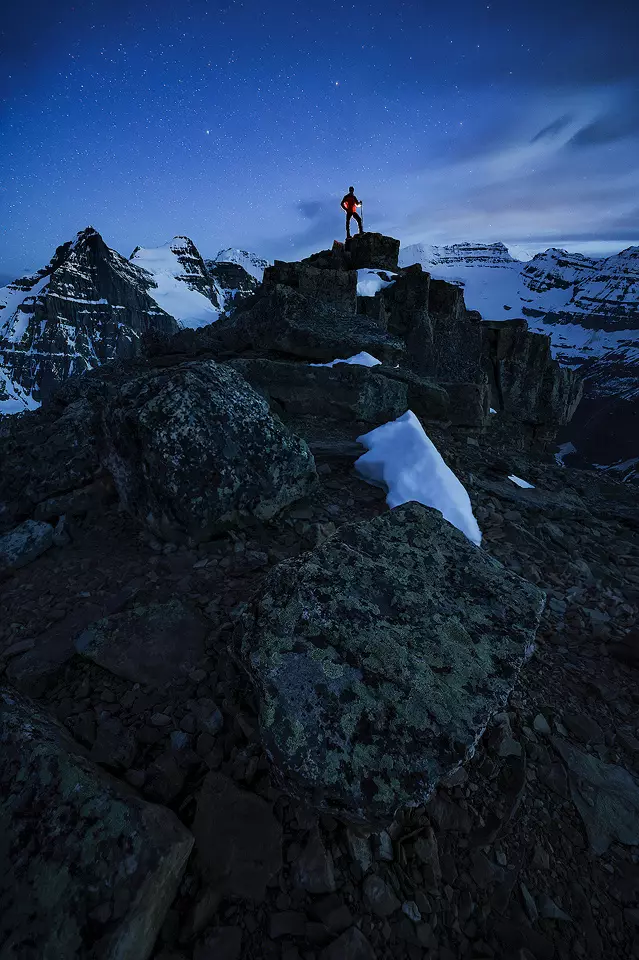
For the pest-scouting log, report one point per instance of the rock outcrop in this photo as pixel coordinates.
(526, 384)
(588, 306)
(379, 659)
(366, 250)
(343, 392)
(195, 450)
(336, 287)
(86, 864)
(285, 323)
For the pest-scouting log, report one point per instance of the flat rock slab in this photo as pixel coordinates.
(379, 658)
(606, 796)
(556, 505)
(194, 451)
(151, 644)
(23, 544)
(343, 392)
(33, 671)
(87, 868)
(238, 840)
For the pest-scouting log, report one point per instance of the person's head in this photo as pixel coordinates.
(351, 189)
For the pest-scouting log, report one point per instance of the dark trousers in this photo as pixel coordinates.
(356, 217)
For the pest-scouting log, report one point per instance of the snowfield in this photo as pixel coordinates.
(172, 293)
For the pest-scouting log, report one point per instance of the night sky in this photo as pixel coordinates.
(243, 123)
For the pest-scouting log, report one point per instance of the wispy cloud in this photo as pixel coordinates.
(529, 185)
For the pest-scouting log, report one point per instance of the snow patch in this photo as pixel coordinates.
(362, 359)
(405, 462)
(13, 398)
(564, 450)
(521, 483)
(370, 282)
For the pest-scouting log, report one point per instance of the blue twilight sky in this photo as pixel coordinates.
(242, 123)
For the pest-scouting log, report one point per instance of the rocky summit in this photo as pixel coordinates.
(249, 711)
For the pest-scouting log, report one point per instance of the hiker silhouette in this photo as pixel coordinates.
(350, 203)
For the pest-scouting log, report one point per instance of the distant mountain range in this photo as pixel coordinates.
(90, 304)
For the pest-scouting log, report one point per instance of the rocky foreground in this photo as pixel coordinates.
(248, 711)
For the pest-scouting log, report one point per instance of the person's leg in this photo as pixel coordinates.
(358, 220)
(349, 214)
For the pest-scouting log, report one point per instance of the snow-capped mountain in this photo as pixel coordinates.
(590, 309)
(90, 304)
(251, 262)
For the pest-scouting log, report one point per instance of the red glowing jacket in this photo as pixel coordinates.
(350, 202)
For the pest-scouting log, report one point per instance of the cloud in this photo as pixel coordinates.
(606, 130)
(553, 128)
(311, 209)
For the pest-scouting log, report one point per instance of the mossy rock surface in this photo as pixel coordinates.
(379, 658)
(87, 868)
(194, 450)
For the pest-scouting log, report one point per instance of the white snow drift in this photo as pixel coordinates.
(362, 359)
(404, 461)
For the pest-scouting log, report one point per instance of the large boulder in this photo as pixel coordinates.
(379, 658)
(283, 322)
(87, 868)
(344, 392)
(194, 450)
(338, 287)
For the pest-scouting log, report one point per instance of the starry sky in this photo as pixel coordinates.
(243, 123)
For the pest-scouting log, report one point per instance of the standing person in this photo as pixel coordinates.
(350, 203)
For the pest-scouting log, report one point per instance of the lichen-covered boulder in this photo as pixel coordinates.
(347, 391)
(379, 658)
(87, 868)
(194, 450)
